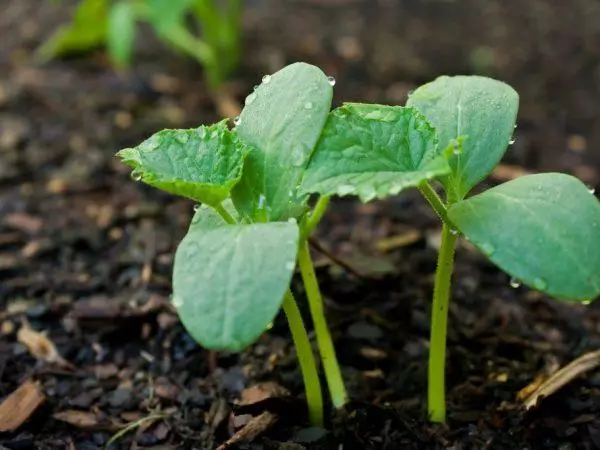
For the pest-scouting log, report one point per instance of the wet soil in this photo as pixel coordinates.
(86, 253)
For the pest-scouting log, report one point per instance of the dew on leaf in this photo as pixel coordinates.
(591, 190)
(540, 284)
(255, 87)
(261, 201)
(587, 301)
(250, 99)
(196, 207)
(331, 80)
(512, 140)
(237, 120)
(266, 79)
(515, 283)
(136, 176)
(488, 248)
(292, 220)
(453, 231)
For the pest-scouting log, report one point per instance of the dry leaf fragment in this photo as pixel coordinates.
(20, 405)
(40, 346)
(564, 376)
(401, 240)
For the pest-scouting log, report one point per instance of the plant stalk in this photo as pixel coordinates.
(315, 216)
(333, 374)
(434, 200)
(439, 325)
(224, 214)
(306, 358)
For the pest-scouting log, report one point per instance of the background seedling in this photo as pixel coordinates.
(543, 230)
(201, 29)
(233, 268)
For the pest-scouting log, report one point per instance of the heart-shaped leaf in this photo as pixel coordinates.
(229, 281)
(478, 108)
(203, 164)
(542, 229)
(373, 151)
(282, 121)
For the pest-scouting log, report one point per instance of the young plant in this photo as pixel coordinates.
(543, 230)
(113, 23)
(233, 269)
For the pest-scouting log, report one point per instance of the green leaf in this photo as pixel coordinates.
(165, 14)
(542, 229)
(229, 282)
(205, 217)
(373, 151)
(282, 121)
(483, 110)
(203, 164)
(87, 31)
(121, 32)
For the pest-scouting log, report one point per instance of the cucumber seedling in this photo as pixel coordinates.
(233, 269)
(543, 230)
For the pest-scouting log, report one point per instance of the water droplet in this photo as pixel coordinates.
(345, 189)
(308, 105)
(591, 190)
(182, 138)
(255, 87)
(269, 326)
(512, 140)
(261, 201)
(290, 265)
(453, 231)
(177, 302)
(540, 284)
(136, 176)
(457, 149)
(237, 120)
(299, 156)
(250, 99)
(196, 207)
(587, 301)
(515, 283)
(515, 126)
(488, 248)
(292, 220)
(266, 79)
(331, 80)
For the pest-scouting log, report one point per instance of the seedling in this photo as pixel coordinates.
(543, 230)
(233, 269)
(113, 23)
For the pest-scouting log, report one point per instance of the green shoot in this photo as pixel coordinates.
(233, 269)
(543, 230)
(113, 23)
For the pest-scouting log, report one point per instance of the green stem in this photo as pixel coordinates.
(306, 358)
(434, 200)
(308, 367)
(333, 373)
(315, 216)
(224, 214)
(439, 324)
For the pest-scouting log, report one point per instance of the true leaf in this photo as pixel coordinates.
(542, 229)
(282, 121)
(121, 32)
(229, 281)
(165, 14)
(203, 164)
(482, 110)
(373, 151)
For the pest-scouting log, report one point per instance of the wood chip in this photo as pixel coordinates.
(20, 405)
(401, 240)
(40, 346)
(23, 222)
(563, 377)
(79, 419)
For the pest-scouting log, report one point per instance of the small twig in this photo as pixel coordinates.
(563, 377)
(335, 259)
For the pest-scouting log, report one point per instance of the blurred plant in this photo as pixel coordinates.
(198, 28)
(543, 229)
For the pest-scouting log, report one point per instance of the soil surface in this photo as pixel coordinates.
(90, 347)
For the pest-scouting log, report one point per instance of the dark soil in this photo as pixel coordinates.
(86, 253)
